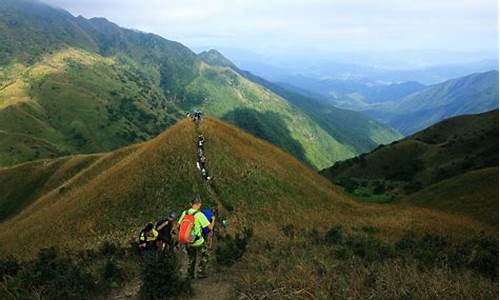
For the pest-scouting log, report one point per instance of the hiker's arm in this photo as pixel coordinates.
(212, 224)
(160, 227)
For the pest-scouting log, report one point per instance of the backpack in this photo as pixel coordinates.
(186, 229)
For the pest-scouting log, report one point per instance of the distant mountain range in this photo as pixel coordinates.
(474, 93)
(75, 85)
(407, 106)
(451, 166)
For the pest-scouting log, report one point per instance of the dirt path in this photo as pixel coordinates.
(214, 287)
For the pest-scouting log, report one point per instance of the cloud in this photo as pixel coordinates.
(288, 25)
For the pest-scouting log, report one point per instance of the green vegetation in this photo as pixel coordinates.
(161, 277)
(74, 85)
(355, 263)
(450, 166)
(70, 275)
(472, 94)
(230, 249)
(111, 196)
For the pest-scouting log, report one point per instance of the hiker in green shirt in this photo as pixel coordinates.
(197, 246)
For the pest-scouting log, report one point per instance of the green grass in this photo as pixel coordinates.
(110, 196)
(433, 164)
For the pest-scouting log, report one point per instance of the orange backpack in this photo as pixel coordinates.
(186, 229)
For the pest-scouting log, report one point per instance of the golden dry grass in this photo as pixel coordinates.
(112, 194)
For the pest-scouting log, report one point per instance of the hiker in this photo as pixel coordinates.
(166, 230)
(201, 141)
(200, 153)
(210, 215)
(201, 162)
(204, 172)
(147, 238)
(193, 224)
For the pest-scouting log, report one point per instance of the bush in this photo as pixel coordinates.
(108, 249)
(288, 230)
(161, 277)
(349, 184)
(379, 188)
(369, 248)
(479, 254)
(49, 276)
(412, 187)
(111, 271)
(407, 171)
(9, 266)
(334, 236)
(231, 249)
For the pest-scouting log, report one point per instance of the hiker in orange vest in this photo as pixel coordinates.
(193, 224)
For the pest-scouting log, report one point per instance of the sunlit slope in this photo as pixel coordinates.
(74, 85)
(439, 167)
(75, 101)
(228, 95)
(111, 195)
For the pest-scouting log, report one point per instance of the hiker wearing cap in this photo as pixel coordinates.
(147, 238)
(193, 224)
(166, 230)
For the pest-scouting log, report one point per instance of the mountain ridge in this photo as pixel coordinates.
(140, 84)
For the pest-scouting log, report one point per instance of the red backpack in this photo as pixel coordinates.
(186, 229)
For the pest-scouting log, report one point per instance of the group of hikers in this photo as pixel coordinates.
(202, 159)
(195, 115)
(193, 232)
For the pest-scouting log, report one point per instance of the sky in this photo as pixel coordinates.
(272, 28)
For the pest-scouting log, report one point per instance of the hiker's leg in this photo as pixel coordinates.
(203, 268)
(191, 251)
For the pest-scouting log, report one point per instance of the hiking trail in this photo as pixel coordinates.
(212, 287)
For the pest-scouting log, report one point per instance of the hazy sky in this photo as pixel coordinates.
(297, 26)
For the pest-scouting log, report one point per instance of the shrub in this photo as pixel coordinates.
(369, 248)
(479, 254)
(407, 171)
(379, 188)
(342, 252)
(112, 271)
(315, 236)
(108, 248)
(160, 276)
(334, 236)
(9, 266)
(370, 229)
(349, 184)
(51, 276)
(232, 248)
(412, 187)
(288, 230)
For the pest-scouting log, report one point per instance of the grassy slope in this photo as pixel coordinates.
(112, 194)
(76, 85)
(443, 151)
(77, 101)
(234, 98)
(358, 131)
(471, 94)
(474, 193)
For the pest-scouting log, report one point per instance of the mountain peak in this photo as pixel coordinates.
(215, 58)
